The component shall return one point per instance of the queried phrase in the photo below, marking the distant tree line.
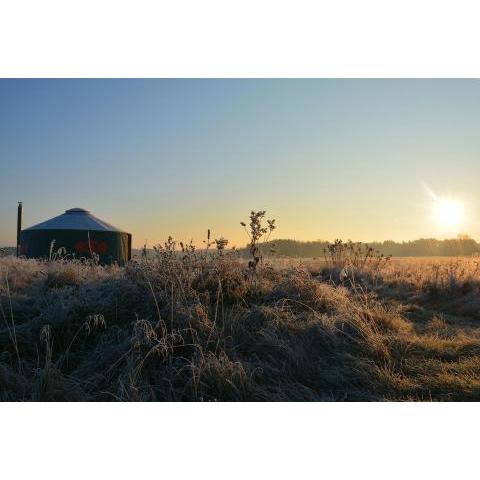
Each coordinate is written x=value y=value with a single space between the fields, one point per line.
x=6 y=251
x=423 y=247
x=463 y=245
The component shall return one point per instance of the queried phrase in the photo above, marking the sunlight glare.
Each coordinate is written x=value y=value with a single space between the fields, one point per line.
x=448 y=212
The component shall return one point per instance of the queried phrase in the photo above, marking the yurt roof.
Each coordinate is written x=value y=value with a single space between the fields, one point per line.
x=76 y=219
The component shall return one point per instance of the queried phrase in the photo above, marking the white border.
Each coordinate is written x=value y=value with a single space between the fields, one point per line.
x=248 y=38
x=238 y=441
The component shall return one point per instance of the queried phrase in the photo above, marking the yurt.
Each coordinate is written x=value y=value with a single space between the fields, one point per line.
x=77 y=234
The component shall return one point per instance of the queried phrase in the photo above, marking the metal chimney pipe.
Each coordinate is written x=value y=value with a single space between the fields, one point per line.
x=19 y=227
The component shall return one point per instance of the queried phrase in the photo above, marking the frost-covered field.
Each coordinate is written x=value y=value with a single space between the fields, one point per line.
x=204 y=327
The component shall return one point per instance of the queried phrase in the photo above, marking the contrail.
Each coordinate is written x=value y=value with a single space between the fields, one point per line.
x=429 y=191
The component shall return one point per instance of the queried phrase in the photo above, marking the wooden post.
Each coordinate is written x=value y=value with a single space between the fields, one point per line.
x=19 y=227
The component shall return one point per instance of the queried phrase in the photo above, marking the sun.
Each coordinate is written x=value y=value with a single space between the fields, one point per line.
x=448 y=213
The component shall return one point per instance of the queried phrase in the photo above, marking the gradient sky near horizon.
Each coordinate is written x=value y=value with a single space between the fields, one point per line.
x=326 y=158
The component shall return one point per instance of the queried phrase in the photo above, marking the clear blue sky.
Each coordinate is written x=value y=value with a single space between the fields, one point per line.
x=327 y=158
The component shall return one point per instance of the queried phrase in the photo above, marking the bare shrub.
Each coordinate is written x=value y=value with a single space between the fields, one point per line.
x=355 y=255
x=259 y=231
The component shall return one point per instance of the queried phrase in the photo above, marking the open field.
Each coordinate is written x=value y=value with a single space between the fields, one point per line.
x=202 y=326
